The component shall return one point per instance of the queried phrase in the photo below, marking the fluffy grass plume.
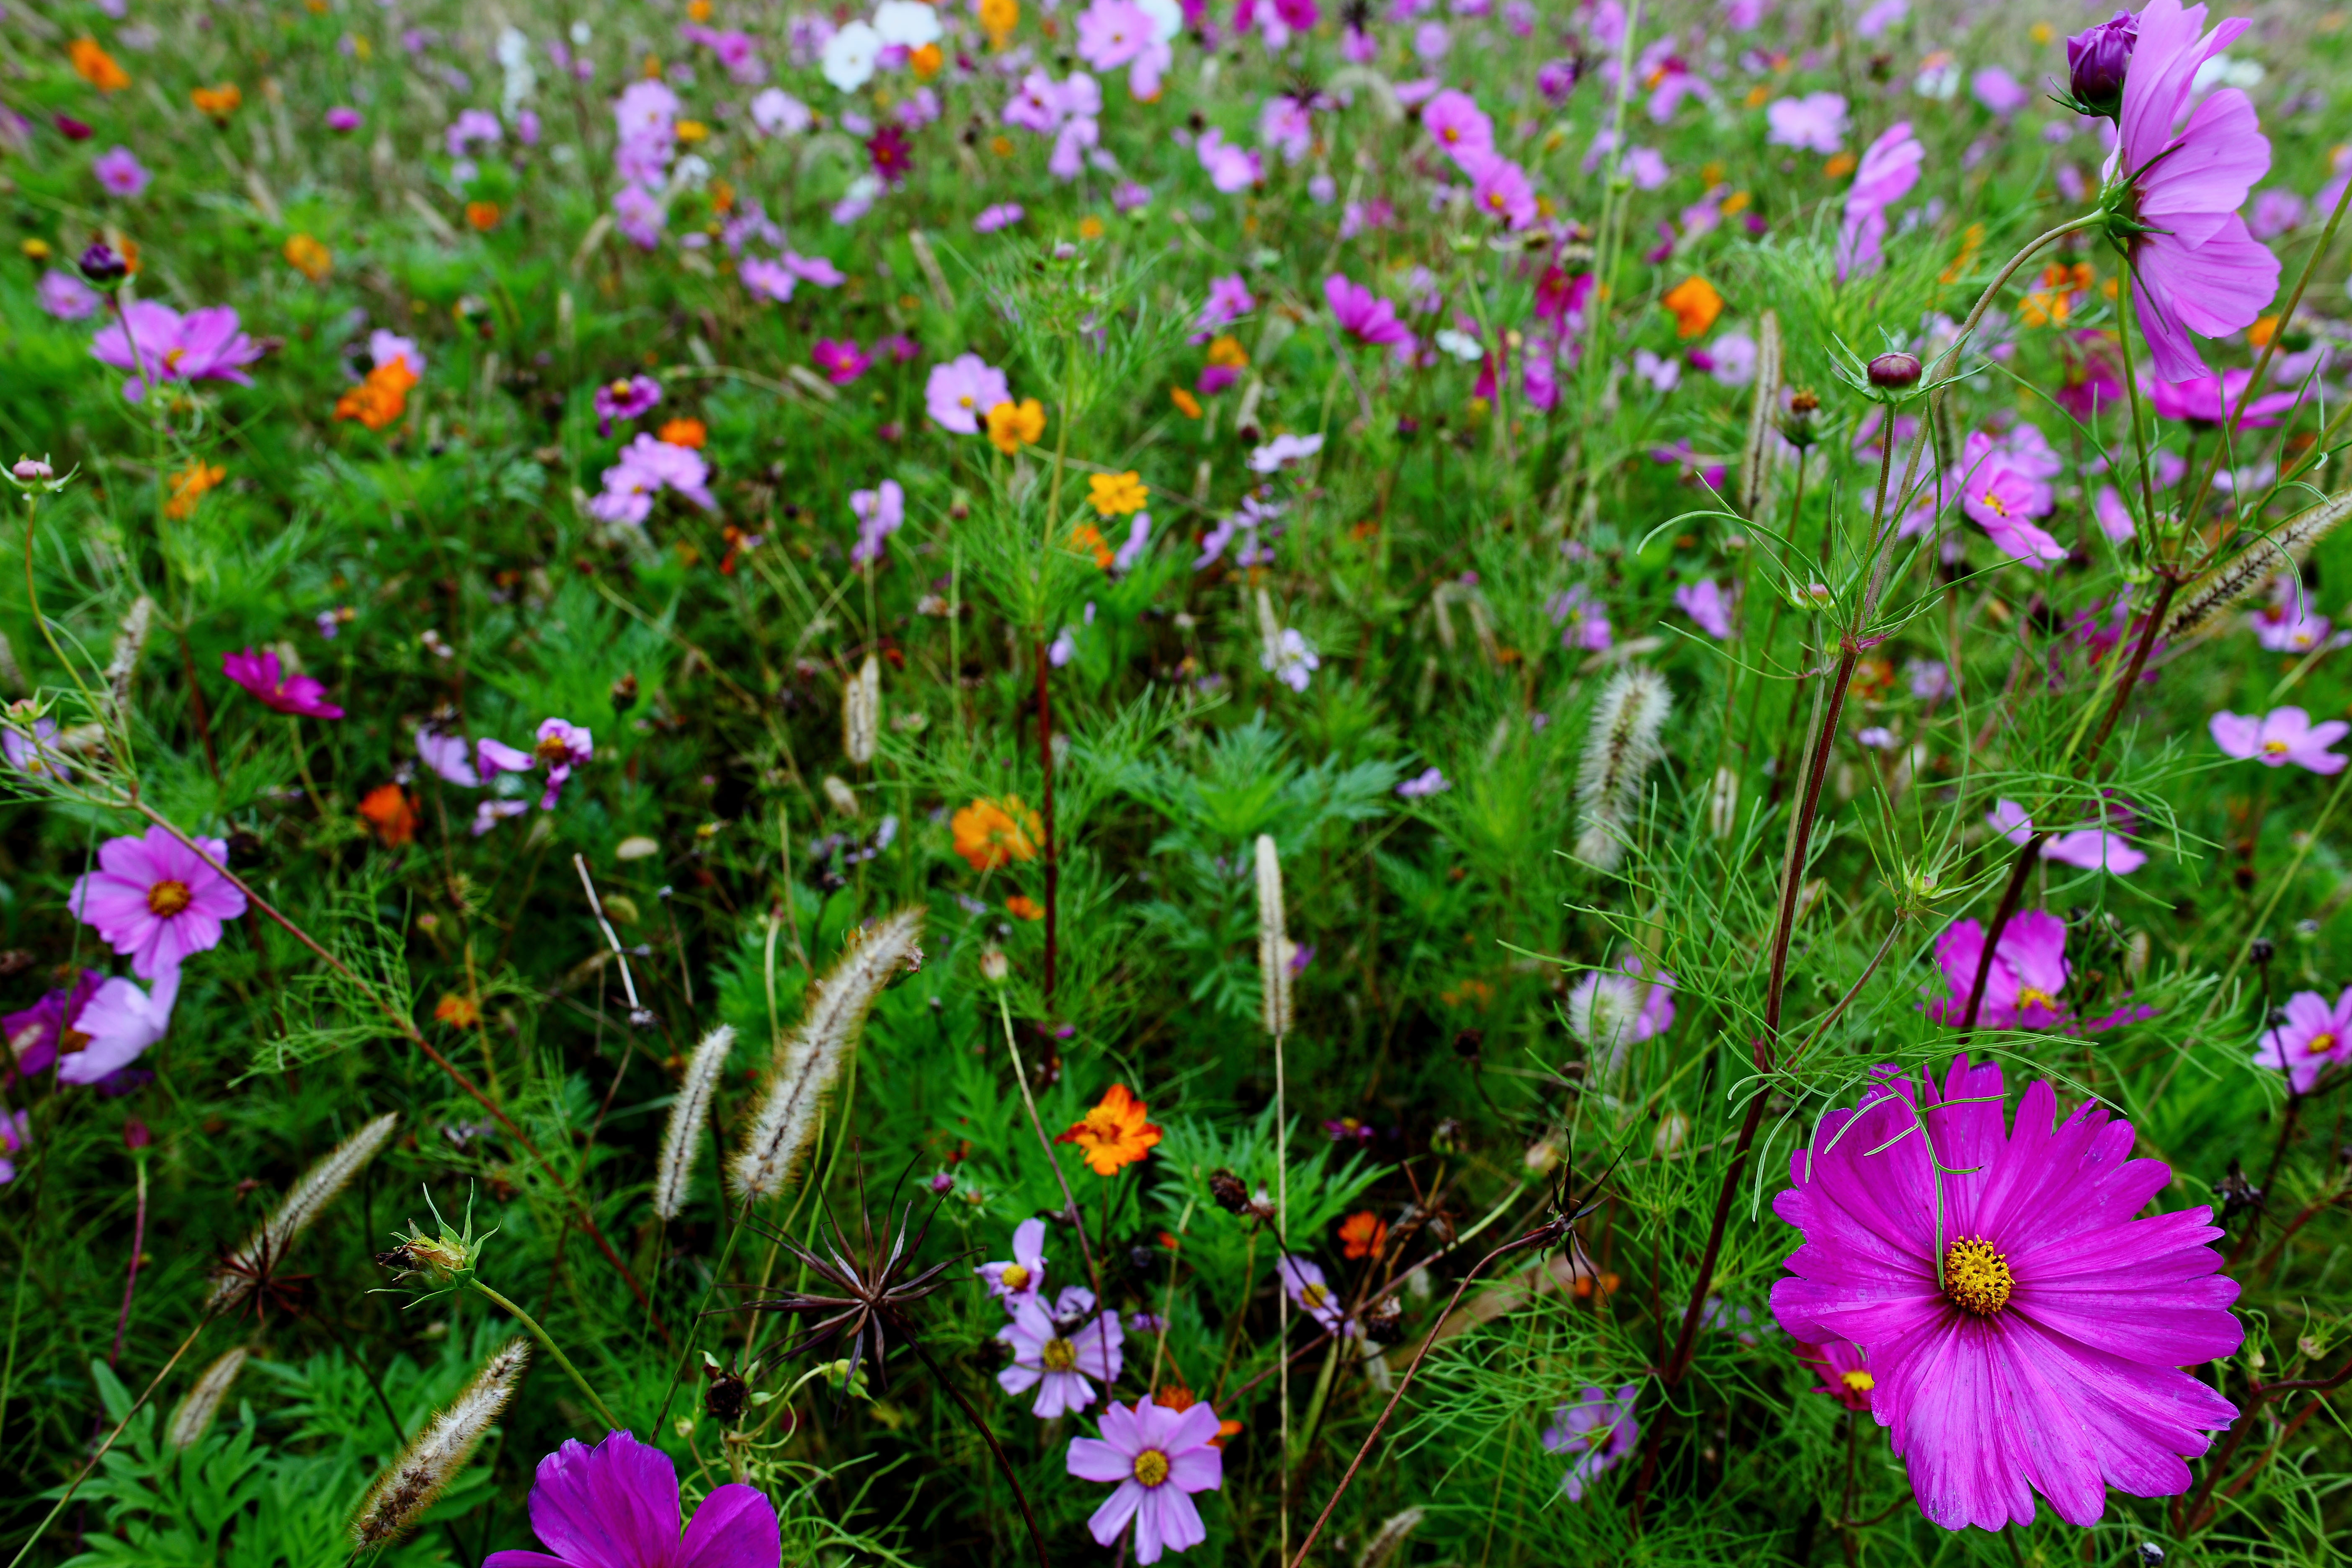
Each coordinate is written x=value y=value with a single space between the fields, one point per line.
x=1621 y=748
x=689 y=1113
x=812 y=1058
x=196 y=1413
x=1756 y=456
x=410 y=1483
x=252 y=1263
x=1274 y=1005
x=861 y=711
x=2281 y=548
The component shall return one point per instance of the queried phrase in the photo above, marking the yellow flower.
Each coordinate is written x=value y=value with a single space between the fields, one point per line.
x=459 y=1012
x=691 y=130
x=1011 y=425
x=96 y=65
x=1114 y=1133
x=188 y=487
x=1228 y=350
x=307 y=257
x=1116 y=495
x=1694 y=304
x=35 y=249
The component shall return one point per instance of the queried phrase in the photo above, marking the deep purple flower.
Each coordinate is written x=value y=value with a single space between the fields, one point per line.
x=33 y=1034
x=1599 y=1429
x=302 y=695
x=156 y=899
x=2097 y=61
x=164 y=345
x=2029 y=969
x=2025 y=1333
x=1158 y=1456
x=1058 y=1353
x=16 y=1132
x=625 y=399
x=616 y=1506
x=841 y=360
x=2312 y=1037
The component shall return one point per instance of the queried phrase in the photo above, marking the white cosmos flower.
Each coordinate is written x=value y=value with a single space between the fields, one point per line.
x=848 y=56
x=909 y=23
x=1461 y=345
x=1167 y=18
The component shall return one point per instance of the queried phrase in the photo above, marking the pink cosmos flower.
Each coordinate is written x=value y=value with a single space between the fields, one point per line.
x=1460 y=128
x=449 y=757
x=1036 y=106
x=1024 y=1277
x=35 y=755
x=472 y=128
x=67 y=298
x=2207 y=402
x=32 y=1035
x=164 y=345
x=615 y=1506
x=1111 y=33
x=646 y=467
x=1584 y=620
x=880 y=512
x=766 y=280
x=120 y=173
x=342 y=119
x=2313 y=1037
x=1500 y=189
x=1706 y=603
x=1599 y=1429
x=16 y=1132
x=1229 y=300
x=623 y=399
x=489 y=813
x=156 y=899
x=1004 y=215
x=1814 y=123
x=563 y=746
x=1313 y=1295
x=1057 y=1355
x=2025 y=1333
x=2003 y=496
x=1889 y=168
x=959 y=394
x=1998 y=91
x=1158 y=1456
x=1611 y=1010
x=841 y=359
x=1427 y=782
x=2029 y=970
x=2115 y=517
x=1230 y=168
x=115 y=1027
x=1843 y=1371
x=2283 y=735
x=2286 y=625
x=302 y=695
x=2090 y=848
x=1362 y=315
x=2196 y=270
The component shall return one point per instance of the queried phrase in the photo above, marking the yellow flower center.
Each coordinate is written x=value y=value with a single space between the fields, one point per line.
x=72 y=1040
x=1993 y=501
x=1857 y=1382
x=1013 y=1278
x=1059 y=1356
x=172 y=358
x=1975 y=1277
x=965 y=401
x=2027 y=996
x=2321 y=1044
x=1152 y=1466
x=1313 y=1296
x=553 y=748
x=168 y=898
x=620 y=389
x=2275 y=748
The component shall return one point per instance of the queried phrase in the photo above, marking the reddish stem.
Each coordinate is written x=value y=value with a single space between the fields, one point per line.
x=1045 y=763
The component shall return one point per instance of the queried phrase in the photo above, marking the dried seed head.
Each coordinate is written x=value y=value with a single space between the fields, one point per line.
x=129 y=642
x=1226 y=1191
x=408 y=1485
x=196 y=1413
x=689 y=1113
x=1756 y=458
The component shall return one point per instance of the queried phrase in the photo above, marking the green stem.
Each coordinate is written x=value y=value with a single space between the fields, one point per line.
x=612 y=1423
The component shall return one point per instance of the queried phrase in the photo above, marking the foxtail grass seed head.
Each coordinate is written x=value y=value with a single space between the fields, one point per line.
x=2200 y=604
x=195 y=1415
x=1723 y=803
x=1274 y=951
x=812 y=1058
x=129 y=642
x=246 y=1270
x=839 y=795
x=409 y=1486
x=1621 y=747
x=861 y=712
x=1757 y=456
x=689 y=1113
x=1393 y=1530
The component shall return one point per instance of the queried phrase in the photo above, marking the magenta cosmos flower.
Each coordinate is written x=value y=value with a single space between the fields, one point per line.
x=156 y=899
x=259 y=673
x=841 y=359
x=1158 y=1456
x=1597 y=1428
x=1844 y=1371
x=625 y=399
x=2283 y=735
x=1056 y=1355
x=2029 y=969
x=959 y=394
x=164 y=345
x=1363 y=315
x=2195 y=267
x=1461 y=130
x=2092 y=848
x=1889 y=168
x=2207 y=403
x=2313 y=1036
x=2025 y=1333
x=1021 y=1279
x=120 y=173
x=615 y=1506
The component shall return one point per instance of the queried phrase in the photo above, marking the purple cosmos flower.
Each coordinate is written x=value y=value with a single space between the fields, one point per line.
x=114 y=1027
x=2029 y=969
x=2115 y=517
x=841 y=359
x=120 y=173
x=2025 y=1333
x=624 y=399
x=639 y=214
x=1599 y=1429
x=778 y=113
x=489 y=813
x=647 y=468
x=35 y=755
x=1292 y=660
x=1929 y=679
x=563 y=746
x=164 y=345
x=2286 y=624
x=1229 y=300
x=2276 y=212
x=959 y=394
x=1139 y=538
x=156 y=899
x=1998 y=91
x=768 y=280
x=1362 y=315
x=1230 y=168
x=1158 y=1456
x=2313 y=1036
x=67 y=298
x=1002 y=214
x=615 y=1506
x=2283 y=735
x=33 y=1034
x=1460 y=128
x=1281 y=450
x=2207 y=403
x=2195 y=267
x=2003 y=497
x=1706 y=603
x=1057 y=1355
x=1422 y=785
x=1309 y=1293
x=15 y=1130
x=2090 y=848
x=302 y=695
x=1112 y=33
x=1022 y=1278
x=472 y=128
x=1889 y=168
x=1584 y=619
x=1844 y=1370
x=449 y=757
x=1500 y=189
x=342 y=119
x=880 y=512
x=1814 y=123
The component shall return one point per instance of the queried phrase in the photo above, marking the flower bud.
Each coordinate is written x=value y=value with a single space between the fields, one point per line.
x=993 y=965
x=2096 y=60
x=1225 y=1190
x=135 y=1135
x=100 y=263
x=1895 y=372
x=31 y=469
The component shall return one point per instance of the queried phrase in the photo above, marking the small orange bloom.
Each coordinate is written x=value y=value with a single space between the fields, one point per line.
x=482 y=215
x=1186 y=404
x=994 y=833
x=188 y=487
x=1583 y=1286
x=998 y=19
x=1116 y=495
x=96 y=65
x=1228 y=350
x=1089 y=538
x=1177 y=1397
x=1363 y=1234
x=307 y=257
x=697 y=10
x=219 y=102
x=722 y=197
x=684 y=433
x=1839 y=165
x=690 y=131
x=926 y=62
x=382 y=398
x=2262 y=331
x=1114 y=1133
x=389 y=811
x=1694 y=304
x=1001 y=145
x=1011 y=425
x=1021 y=907
x=1090 y=227
x=458 y=1012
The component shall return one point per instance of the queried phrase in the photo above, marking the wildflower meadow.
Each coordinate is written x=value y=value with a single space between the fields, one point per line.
x=1423 y=784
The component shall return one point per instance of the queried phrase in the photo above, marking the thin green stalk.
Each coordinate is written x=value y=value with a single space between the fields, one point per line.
x=611 y=1421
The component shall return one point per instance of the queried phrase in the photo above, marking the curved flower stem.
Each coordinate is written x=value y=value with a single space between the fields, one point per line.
x=1069 y=1198
x=611 y=1422
x=1037 y=1538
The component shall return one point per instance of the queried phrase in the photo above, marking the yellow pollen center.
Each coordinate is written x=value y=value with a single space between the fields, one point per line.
x=553 y=750
x=2321 y=1045
x=2275 y=748
x=1059 y=1356
x=1975 y=1277
x=2027 y=996
x=168 y=898
x=1013 y=1278
x=620 y=389
x=965 y=401
x=1152 y=1466
x=1858 y=1382
x=172 y=358
x=1993 y=501
x=1313 y=1296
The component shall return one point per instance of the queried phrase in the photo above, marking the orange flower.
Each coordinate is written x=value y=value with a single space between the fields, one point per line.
x=926 y=62
x=1186 y=404
x=1114 y=1133
x=390 y=812
x=96 y=65
x=458 y=1012
x=998 y=19
x=1228 y=350
x=1177 y=1397
x=188 y=487
x=1021 y=907
x=684 y=433
x=2262 y=331
x=1087 y=537
x=307 y=257
x=219 y=102
x=1363 y=1234
x=1118 y=495
x=1971 y=239
x=1090 y=227
x=1839 y=165
x=993 y=833
x=382 y=398
x=1011 y=425
x=1696 y=305
x=482 y=215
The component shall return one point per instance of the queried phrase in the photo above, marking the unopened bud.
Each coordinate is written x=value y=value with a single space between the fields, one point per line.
x=1225 y=1190
x=994 y=965
x=31 y=469
x=135 y=1135
x=1895 y=372
x=100 y=263
x=2096 y=61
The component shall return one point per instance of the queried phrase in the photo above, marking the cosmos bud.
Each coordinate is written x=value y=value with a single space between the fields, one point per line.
x=100 y=264
x=2096 y=60
x=1895 y=372
x=1226 y=1191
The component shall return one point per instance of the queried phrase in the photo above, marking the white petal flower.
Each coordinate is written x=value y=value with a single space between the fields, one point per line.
x=848 y=56
x=907 y=23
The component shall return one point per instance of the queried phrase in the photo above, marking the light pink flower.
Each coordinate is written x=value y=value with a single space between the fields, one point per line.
x=2283 y=735
x=1815 y=122
x=119 y=1023
x=120 y=173
x=2313 y=1037
x=1706 y=603
x=2092 y=848
x=1313 y=1295
x=1021 y=1279
x=1889 y=168
x=959 y=394
x=1157 y=1456
x=1460 y=128
x=1058 y=1353
x=156 y=899
x=449 y=758
x=164 y=345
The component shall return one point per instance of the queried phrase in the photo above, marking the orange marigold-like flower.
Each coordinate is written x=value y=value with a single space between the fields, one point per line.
x=1227 y=351
x=994 y=833
x=1087 y=538
x=458 y=1012
x=1176 y=1396
x=391 y=813
x=1363 y=1234
x=1116 y=495
x=926 y=62
x=684 y=433
x=998 y=19
x=219 y=102
x=1186 y=404
x=482 y=215
x=1114 y=1133
x=1090 y=227
x=1013 y=426
x=1696 y=305
x=382 y=398
x=307 y=257
x=188 y=488
x=1021 y=907
x=96 y=65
